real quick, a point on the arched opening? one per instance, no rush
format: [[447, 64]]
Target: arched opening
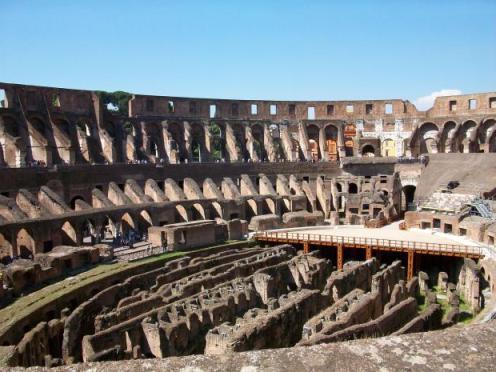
[[487, 134], [258, 141], [69, 236], [5, 250], [467, 139], [388, 148], [331, 138], [109, 230], [353, 188], [368, 151], [239, 136], [339, 188], [181, 214], [177, 140], [13, 146], [128, 229], [197, 143], [218, 143], [313, 142], [25, 244], [408, 197], [38, 142], [74, 201], [275, 135], [217, 209], [198, 212], [447, 140], [88, 232], [251, 209], [427, 138]]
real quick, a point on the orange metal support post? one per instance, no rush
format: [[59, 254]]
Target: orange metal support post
[[306, 247], [368, 253], [411, 255], [340, 257]]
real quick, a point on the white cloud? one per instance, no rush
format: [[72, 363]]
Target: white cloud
[[426, 102]]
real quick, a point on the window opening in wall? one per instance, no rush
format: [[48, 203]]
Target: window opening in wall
[[452, 105], [170, 106], [388, 108], [192, 107], [436, 223], [472, 104], [273, 109], [3, 98], [55, 100], [292, 109], [426, 225], [311, 113], [235, 109], [149, 105], [121, 186], [448, 228], [254, 109], [306, 178], [5, 193], [492, 101], [463, 232], [99, 187], [213, 111], [349, 109], [330, 109], [368, 108]]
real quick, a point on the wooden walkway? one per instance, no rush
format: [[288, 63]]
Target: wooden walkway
[[370, 245]]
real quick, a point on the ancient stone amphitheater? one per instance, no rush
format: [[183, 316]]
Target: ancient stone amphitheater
[[347, 235]]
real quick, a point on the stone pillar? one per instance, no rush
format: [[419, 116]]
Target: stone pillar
[[187, 140], [269, 144], [322, 144], [340, 140], [303, 140], [207, 142], [249, 144], [231, 144]]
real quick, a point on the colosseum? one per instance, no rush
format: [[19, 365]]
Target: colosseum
[[185, 231]]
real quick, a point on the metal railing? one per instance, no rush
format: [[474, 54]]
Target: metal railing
[[374, 242]]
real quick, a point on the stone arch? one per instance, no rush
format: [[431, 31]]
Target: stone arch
[[217, 133], [128, 225], [486, 135], [368, 150], [217, 209], [5, 249], [467, 137], [198, 212], [258, 140], [408, 197], [339, 188], [198, 147], [240, 137], [181, 214], [427, 139], [251, 209], [447, 139], [14, 147], [331, 134], [313, 133], [88, 232], [37, 141], [75, 199], [176, 139], [109, 229], [26, 246], [69, 236]]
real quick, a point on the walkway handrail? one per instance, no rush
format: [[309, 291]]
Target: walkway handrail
[[388, 243]]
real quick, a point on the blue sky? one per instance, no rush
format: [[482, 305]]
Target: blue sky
[[254, 49]]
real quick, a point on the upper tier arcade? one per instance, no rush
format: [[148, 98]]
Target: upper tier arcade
[[48, 126]]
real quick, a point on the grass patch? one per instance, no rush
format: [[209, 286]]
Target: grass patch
[[25, 305]]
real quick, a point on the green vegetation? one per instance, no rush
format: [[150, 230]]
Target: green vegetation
[[119, 99], [466, 315], [216, 140], [25, 305]]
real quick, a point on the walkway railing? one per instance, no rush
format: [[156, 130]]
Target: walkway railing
[[319, 239]]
